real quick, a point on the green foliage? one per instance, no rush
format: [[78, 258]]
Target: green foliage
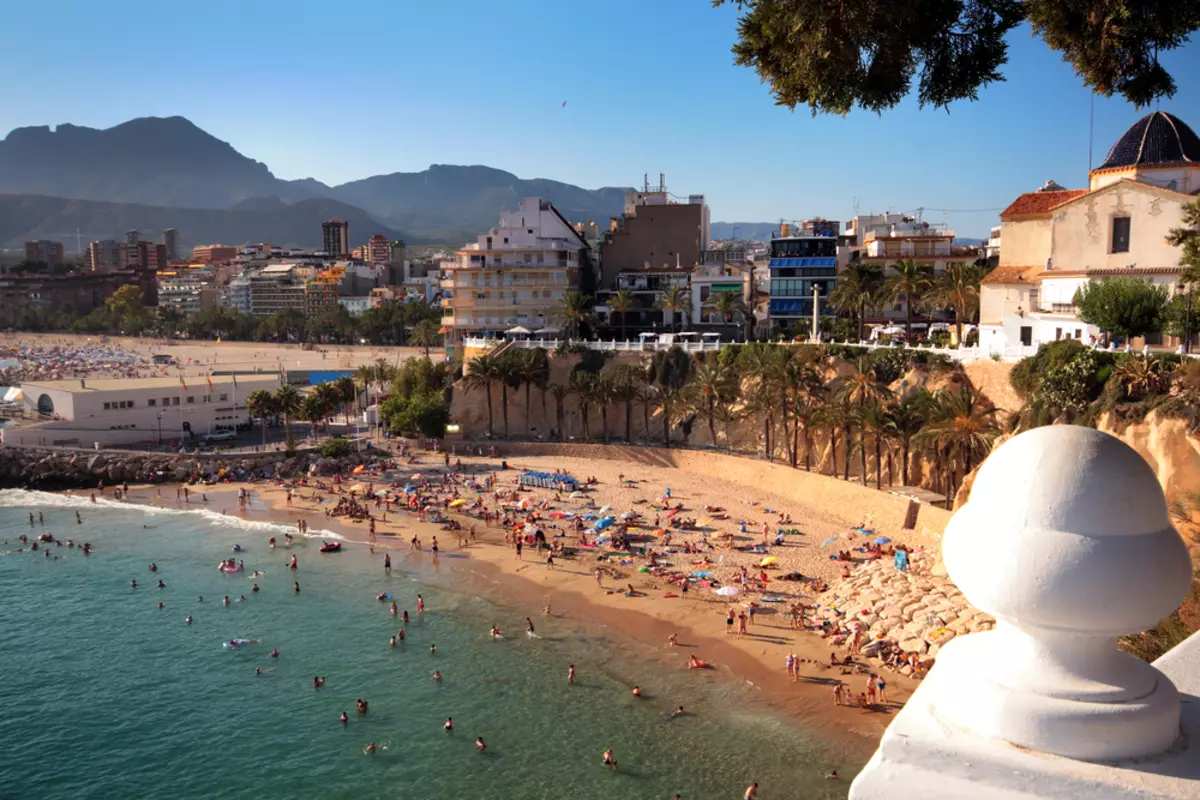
[[671, 369], [128, 309], [1125, 307], [1187, 239], [839, 329], [889, 364], [289, 446], [593, 360], [1178, 319], [419, 375], [424, 412], [568, 348], [336, 447], [834, 56]]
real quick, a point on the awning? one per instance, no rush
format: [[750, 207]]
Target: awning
[[518, 330]]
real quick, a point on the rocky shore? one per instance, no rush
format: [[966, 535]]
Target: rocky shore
[[60, 469], [917, 610]]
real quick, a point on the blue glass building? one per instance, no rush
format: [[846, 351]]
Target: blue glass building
[[798, 263]]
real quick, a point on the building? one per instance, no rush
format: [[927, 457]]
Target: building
[[655, 233], [76, 294], [1057, 240], [187, 289], [116, 411], [378, 251], [143, 255], [46, 251], [171, 242], [132, 238], [277, 288], [103, 256], [708, 279], [214, 253], [798, 266], [819, 226], [514, 275], [335, 238]]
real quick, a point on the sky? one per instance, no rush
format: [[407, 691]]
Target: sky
[[341, 91]]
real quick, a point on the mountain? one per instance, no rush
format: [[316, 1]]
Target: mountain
[[169, 162], [759, 231], [24, 217]]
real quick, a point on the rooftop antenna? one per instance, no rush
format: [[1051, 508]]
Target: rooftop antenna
[[645, 182], [856, 206], [662, 182]]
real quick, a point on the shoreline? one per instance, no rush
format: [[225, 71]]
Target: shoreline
[[490, 565]]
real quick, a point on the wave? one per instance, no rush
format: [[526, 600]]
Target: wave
[[24, 498]]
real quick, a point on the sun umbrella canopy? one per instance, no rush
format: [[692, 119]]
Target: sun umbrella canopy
[[519, 330], [829, 541], [457, 503], [768, 561], [883, 540], [628, 515]]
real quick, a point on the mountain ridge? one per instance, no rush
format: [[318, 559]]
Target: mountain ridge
[[170, 162]]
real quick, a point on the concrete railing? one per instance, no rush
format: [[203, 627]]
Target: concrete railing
[[1066, 540]]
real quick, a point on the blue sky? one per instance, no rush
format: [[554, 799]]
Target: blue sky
[[340, 91]]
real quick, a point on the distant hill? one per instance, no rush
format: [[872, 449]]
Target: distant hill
[[761, 231], [24, 217], [169, 162]]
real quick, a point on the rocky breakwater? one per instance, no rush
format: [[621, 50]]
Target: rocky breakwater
[[917, 610], [57, 469]]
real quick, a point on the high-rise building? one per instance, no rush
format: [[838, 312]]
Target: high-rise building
[[655, 234], [335, 237], [44, 250], [103, 256], [143, 256], [171, 241], [378, 250], [132, 237]]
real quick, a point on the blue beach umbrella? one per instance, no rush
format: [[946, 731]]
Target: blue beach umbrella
[[829, 541], [883, 540]]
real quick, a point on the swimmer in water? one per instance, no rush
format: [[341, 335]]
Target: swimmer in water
[[637, 692], [162, 585], [393, 643], [609, 761], [78, 519], [400, 634], [437, 676], [292, 564], [275, 653], [673, 640], [529, 626], [495, 632], [395, 608], [449, 726], [370, 751], [344, 719], [133, 584], [420, 604], [189, 619], [832, 776], [433, 649], [479, 745], [160, 605], [318, 682], [571, 674], [254, 588], [225, 602], [679, 712], [258, 671], [296, 587], [405, 617]]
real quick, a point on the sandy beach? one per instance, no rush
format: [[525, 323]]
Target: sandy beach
[[570, 586]]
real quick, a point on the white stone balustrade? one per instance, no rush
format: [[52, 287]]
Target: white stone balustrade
[[1067, 542]]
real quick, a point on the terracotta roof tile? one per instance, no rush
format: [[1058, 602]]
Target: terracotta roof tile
[[1032, 203], [1010, 275]]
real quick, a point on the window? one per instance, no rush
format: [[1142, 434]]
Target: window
[[152, 402], [108, 406], [175, 401], [131, 404], [224, 397], [166, 401], [1120, 235], [191, 400]]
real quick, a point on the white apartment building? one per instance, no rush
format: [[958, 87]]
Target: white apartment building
[[516, 274]]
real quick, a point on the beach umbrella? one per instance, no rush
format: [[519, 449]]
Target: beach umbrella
[[883, 540], [604, 510], [575, 495], [417, 477], [829, 541], [768, 561], [628, 515], [726, 591]]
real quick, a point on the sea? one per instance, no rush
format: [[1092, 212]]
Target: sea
[[106, 695]]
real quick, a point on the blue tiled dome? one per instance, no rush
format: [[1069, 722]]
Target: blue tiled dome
[[1157, 138]]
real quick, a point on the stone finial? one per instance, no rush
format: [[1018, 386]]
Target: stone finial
[[1066, 541]]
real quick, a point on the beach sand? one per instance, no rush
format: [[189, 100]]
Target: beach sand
[[570, 587]]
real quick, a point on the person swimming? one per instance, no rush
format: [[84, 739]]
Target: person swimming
[[637, 692], [161, 585], [495, 633], [189, 619], [275, 653], [344, 719], [225, 602], [609, 761], [433, 649], [132, 584], [449, 726], [679, 712], [370, 751], [318, 682], [437, 676], [479, 745]]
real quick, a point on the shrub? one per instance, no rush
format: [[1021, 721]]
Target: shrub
[[336, 447]]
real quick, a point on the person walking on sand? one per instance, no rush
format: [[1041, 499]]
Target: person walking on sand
[[571, 674], [741, 624], [599, 577], [881, 685], [837, 693]]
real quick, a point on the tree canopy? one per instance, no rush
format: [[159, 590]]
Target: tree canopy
[[833, 56], [1122, 306]]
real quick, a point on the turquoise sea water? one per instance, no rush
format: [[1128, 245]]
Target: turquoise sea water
[[104, 695]]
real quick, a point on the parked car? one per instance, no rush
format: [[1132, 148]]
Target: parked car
[[218, 436]]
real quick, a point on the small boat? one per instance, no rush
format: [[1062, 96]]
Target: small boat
[[331, 547], [229, 569]]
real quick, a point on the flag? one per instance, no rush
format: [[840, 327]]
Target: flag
[[183, 383], [209, 379], [235, 381]]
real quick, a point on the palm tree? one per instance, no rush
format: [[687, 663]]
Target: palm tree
[[574, 310], [330, 397], [873, 418], [532, 368], [483, 370], [908, 283], [313, 408], [620, 303], [761, 400], [560, 394], [580, 385], [710, 385], [261, 404], [961, 429], [676, 300], [627, 380], [508, 373], [363, 377], [727, 304], [858, 288], [957, 288], [603, 394], [806, 412], [646, 395], [908, 417], [347, 394], [669, 399], [859, 391], [287, 403], [425, 335]]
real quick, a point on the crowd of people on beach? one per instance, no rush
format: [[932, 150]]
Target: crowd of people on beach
[[69, 360]]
